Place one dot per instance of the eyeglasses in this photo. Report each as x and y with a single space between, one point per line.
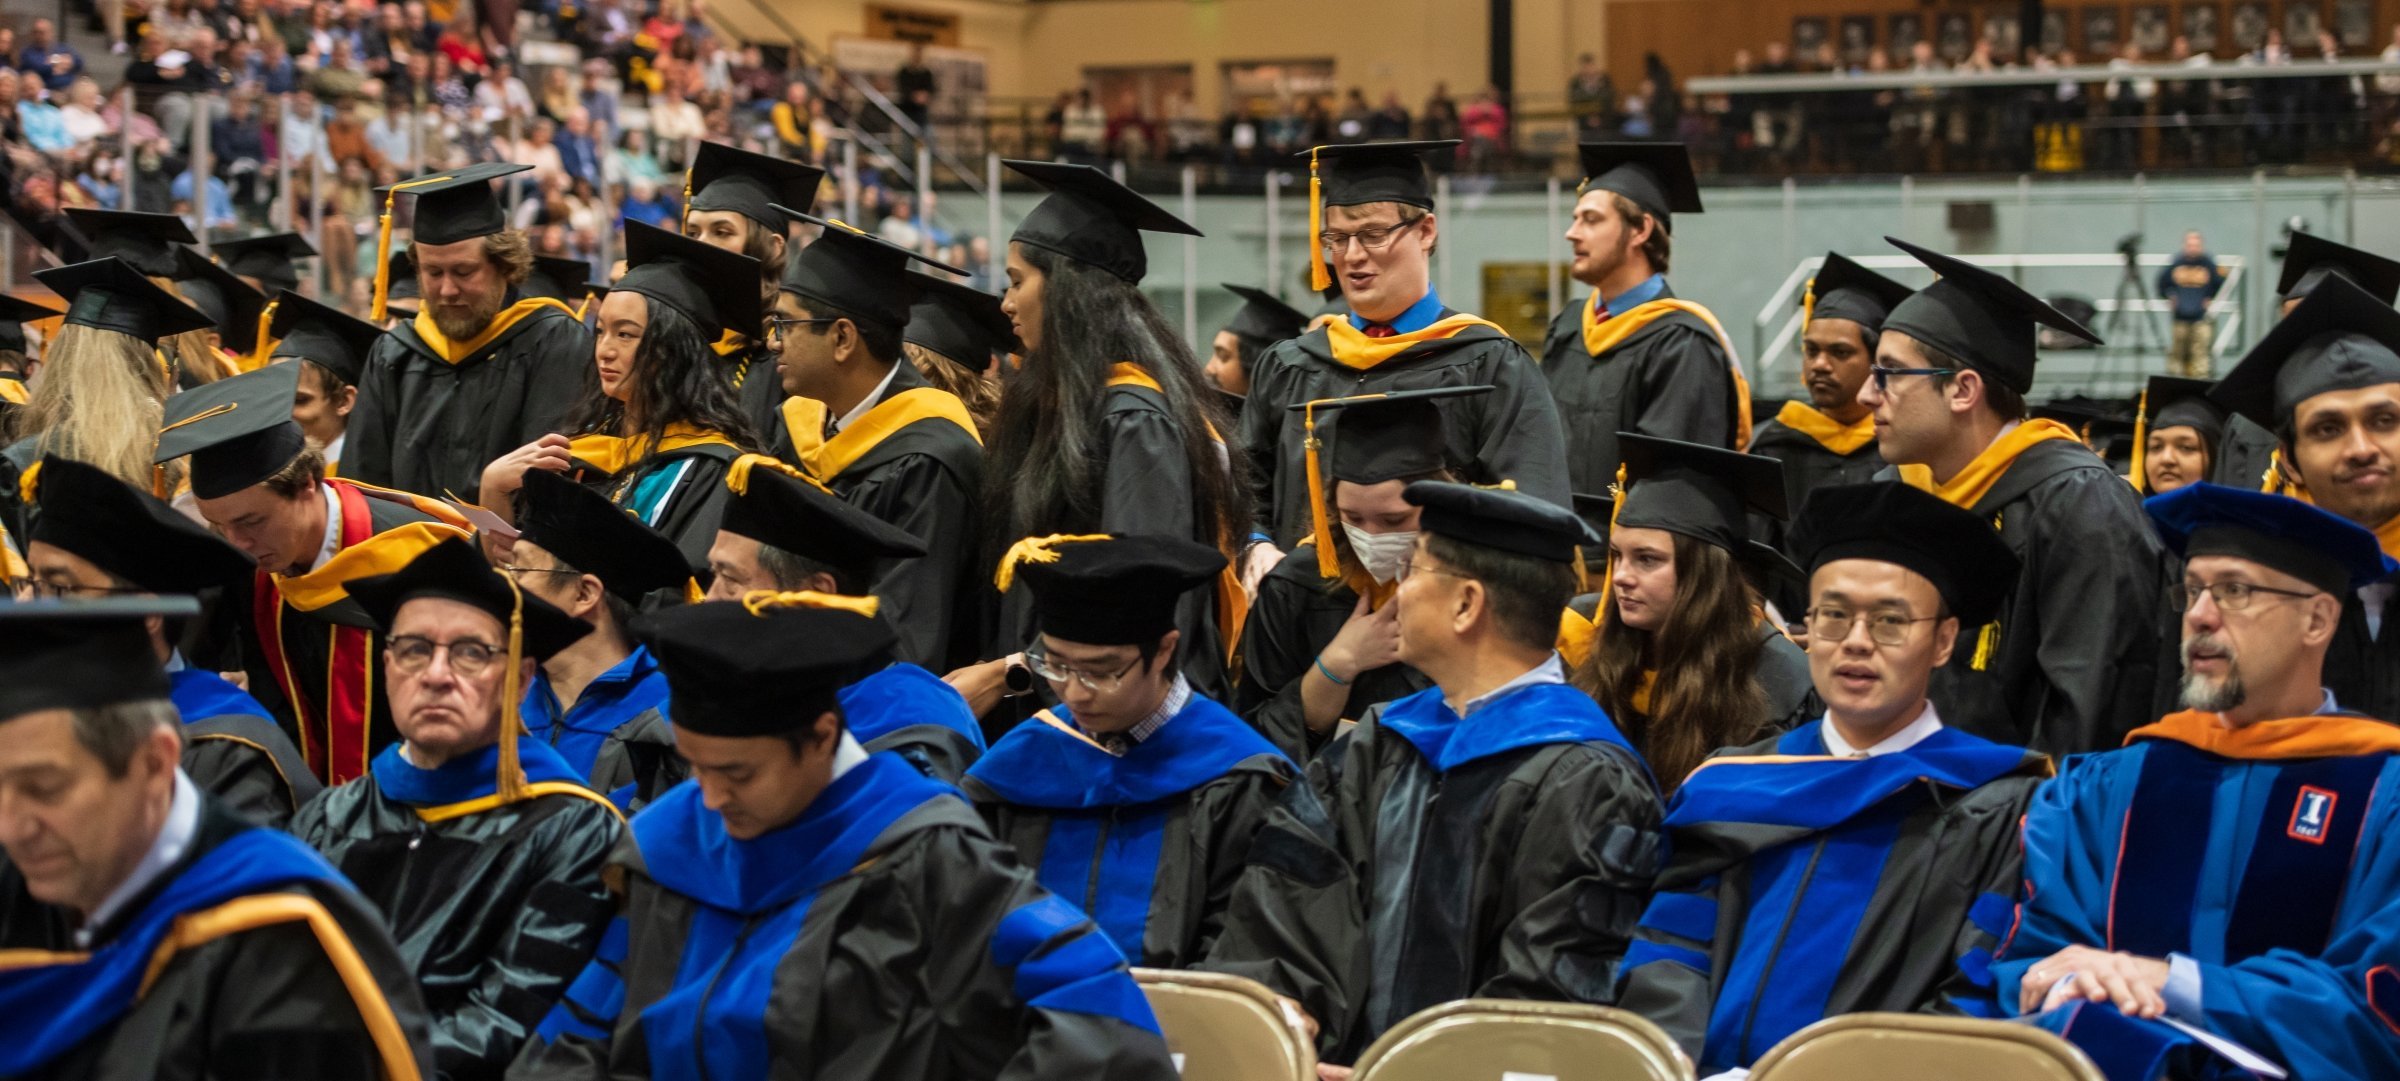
1094 682
2230 596
1883 376
41 588
468 657
513 569
1830 624
776 324
1335 243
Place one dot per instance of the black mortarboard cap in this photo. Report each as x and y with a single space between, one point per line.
456 570
779 510
1842 289
15 312
1117 591
1355 174
2314 545
149 242
128 532
1504 519
589 533
1698 491
332 338
958 321
1090 218
738 673
1656 176
2174 402
82 654
700 280
1985 320
856 273
109 294
1262 318
2095 422
568 280
223 297
1890 522
238 431
456 204
723 178
2311 259
2339 338
1380 437
267 258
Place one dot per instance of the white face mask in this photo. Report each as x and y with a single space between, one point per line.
1384 555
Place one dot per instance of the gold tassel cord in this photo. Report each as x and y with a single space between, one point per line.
266 319
757 601
1328 564
511 787
1037 550
2141 437
1808 303
1318 279
1608 567
686 220
29 482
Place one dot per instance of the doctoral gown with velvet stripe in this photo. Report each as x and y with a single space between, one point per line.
494 910
232 748
884 934
1295 615
428 426
2279 875
619 697
1800 890
1430 858
266 1004
1149 844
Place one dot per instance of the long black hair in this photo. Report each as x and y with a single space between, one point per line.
676 379
1043 472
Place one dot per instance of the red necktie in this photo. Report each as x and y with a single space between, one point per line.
1378 330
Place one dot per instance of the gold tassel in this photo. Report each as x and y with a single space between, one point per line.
28 483
737 475
1987 642
1808 303
1037 550
757 601
511 787
2141 437
1608 567
584 308
1328 564
1318 279
259 351
686 220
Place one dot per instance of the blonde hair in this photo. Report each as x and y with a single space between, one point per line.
99 401
193 351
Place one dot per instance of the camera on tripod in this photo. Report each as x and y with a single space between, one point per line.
2130 246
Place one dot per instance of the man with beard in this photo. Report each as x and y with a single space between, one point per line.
2246 457
1635 357
2326 381
481 370
2232 868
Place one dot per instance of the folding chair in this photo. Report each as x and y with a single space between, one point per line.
1226 1028
1906 1046
1499 1040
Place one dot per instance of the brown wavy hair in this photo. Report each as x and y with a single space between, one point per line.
978 391
1706 655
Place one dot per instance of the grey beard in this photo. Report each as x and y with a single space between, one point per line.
2217 697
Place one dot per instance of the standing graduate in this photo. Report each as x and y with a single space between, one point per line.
2327 380
98 536
862 419
1635 357
955 335
2068 664
482 368
2176 433
115 858
481 849
1374 231
1109 427
309 649
331 347
657 425
155 245
1256 326
730 198
2234 867
2247 457
803 908
1865 860
269 263
1135 798
1685 661
1492 836
578 552
1322 641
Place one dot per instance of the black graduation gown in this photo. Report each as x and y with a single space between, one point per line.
264 1004
1807 466
2364 672
234 751
884 934
761 393
1295 615
428 426
2240 459
926 479
1512 433
1146 487
1887 886
495 910
1386 885
638 763
2076 651
1671 379
1176 813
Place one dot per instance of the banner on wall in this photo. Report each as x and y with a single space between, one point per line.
888 23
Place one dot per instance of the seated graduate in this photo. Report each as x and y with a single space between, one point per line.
2176 433
1684 658
1865 860
1322 641
1135 797
1495 830
803 908
98 536
109 848
482 850
577 551
2232 867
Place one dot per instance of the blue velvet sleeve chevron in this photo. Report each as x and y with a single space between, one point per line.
1973 992
588 1011
1061 961
1669 976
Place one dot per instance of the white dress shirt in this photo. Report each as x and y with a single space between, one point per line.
174 836
1552 670
1915 732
